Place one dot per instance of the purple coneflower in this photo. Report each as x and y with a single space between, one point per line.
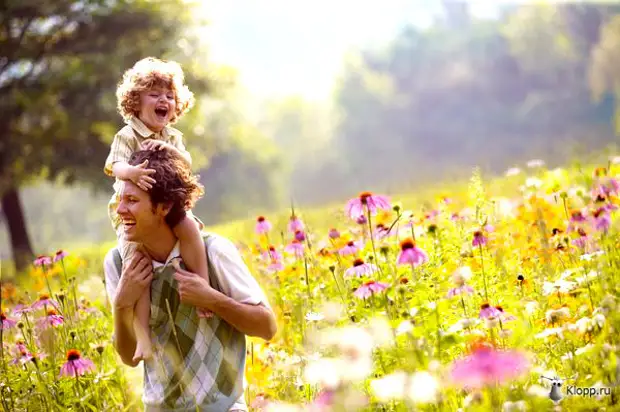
410 254
300 236
602 220
6 323
44 300
351 248
43 261
366 202
295 224
60 255
488 366
360 268
76 365
51 319
368 288
334 233
381 231
263 226
479 238
460 290
296 248
487 311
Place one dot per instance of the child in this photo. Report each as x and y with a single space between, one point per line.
151 96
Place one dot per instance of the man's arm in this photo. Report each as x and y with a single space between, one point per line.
252 320
124 336
123 292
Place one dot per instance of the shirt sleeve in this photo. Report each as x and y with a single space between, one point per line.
112 276
177 141
233 275
120 151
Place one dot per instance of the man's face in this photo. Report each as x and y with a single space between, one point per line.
136 211
157 107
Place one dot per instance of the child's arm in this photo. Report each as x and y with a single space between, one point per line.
137 174
192 246
152 144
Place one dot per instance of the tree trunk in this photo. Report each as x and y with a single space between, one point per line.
20 241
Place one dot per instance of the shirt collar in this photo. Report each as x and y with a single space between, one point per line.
174 253
144 131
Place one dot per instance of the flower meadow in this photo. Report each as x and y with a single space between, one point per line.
474 301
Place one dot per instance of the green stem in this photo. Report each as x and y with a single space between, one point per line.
484 275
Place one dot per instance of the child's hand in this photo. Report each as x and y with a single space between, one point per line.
141 176
153 144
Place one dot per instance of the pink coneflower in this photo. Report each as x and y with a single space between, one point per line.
43 261
366 202
76 365
460 290
21 307
487 311
602 220
6 323
295 224
381 231
488 366
263 226
272 254
361 220
360 268
60 255
334 233
368 288
300 236
504 316
351 248
296 248
275 259
583 241
577 218
479 238
44 300
410 254
51 319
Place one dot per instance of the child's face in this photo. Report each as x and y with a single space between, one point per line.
157 107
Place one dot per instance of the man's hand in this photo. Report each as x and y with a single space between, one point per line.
154 144
140 175
135 277
193 289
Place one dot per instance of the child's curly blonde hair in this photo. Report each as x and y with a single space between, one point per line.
146 74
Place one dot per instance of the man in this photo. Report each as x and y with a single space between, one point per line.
198 363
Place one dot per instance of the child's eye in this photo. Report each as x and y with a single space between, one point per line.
170 97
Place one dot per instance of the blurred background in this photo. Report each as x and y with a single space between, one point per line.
303 101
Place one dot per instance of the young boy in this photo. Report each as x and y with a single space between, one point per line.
151 96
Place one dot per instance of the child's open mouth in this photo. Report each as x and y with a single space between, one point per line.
161 112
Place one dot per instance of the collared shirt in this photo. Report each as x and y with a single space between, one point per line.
128 140
199 363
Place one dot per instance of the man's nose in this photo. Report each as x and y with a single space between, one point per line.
121 208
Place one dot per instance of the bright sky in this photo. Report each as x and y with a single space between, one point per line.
297 47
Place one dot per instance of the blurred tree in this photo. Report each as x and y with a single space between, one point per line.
60 61
604 70
485 93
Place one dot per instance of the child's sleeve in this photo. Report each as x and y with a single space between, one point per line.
177 141
120 151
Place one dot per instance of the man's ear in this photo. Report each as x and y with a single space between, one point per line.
163 209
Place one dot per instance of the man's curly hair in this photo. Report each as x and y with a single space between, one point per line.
147 74
175 184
